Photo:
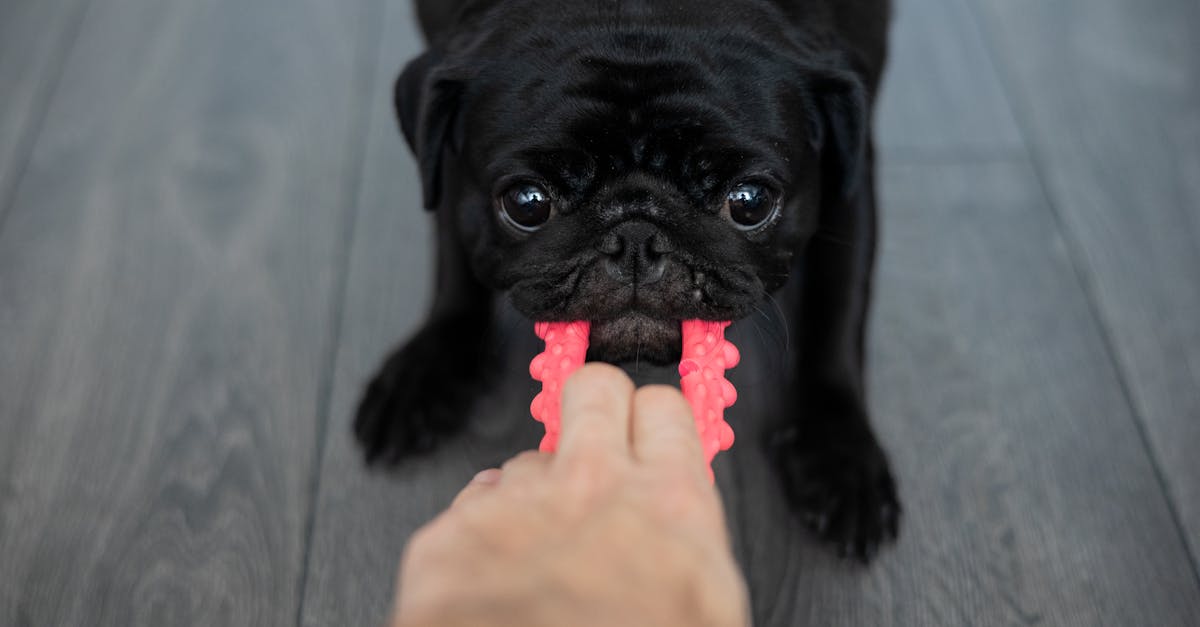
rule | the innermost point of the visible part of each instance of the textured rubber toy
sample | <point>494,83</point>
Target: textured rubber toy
<point>566,348</point>
<point>706,357</point>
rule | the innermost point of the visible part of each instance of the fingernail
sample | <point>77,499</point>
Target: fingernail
<point>491,475</point>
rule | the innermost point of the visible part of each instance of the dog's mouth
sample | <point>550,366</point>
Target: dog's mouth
<point>635,337</point>
<point>644,326</point>
<point>632,323</point>
<point>705,355</point>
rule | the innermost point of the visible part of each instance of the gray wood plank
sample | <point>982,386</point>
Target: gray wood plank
<point>363,519</point>
<point>1107,92</point>
<point>35,36</point>
<point>169,274</point>
<point>941,94</point>
<point>1029,498</point>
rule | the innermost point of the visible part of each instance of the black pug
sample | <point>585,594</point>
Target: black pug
<point>637,163</point>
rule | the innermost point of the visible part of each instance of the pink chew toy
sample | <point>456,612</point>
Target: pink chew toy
<point>706,357</point>
<point>566,349</point>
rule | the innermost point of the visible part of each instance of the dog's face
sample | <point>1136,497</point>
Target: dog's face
<point>633,176</point>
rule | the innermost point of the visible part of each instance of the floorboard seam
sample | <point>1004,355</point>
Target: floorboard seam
<point>368,61</point>
<point>1077,261</point>
<point>47,88</point>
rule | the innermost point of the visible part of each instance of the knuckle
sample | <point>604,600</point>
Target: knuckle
<point>427,541</point>
<point>590,471</point>
<point>679,494</point>
<point>679,438</point>
<point>677,503</point>
<point>522,460</point>
<point>591,457</point>
<point>590,429</point>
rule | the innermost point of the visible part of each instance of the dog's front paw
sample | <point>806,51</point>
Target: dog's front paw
<point>841,488</point>
<point>420,395</point>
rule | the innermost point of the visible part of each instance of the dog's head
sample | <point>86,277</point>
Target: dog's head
<point>632,172</point>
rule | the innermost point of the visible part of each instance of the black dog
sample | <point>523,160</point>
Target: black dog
<point>637,163</point>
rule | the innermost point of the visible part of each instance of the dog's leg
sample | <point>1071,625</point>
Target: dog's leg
<point>424,389</point>
<point>833,469</point>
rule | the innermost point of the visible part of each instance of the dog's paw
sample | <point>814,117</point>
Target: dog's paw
<point>842,490</point>
<point>420,396</point>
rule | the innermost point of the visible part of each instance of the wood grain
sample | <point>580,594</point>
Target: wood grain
<point>169,270</point>
<point>941,95</point>
<point>363,519</point>
<point>35,36</point>
<point>1107,92</point>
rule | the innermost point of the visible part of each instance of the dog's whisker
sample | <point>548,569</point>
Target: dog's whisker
<point>783,322</point>
<point>757,326</point>
<point>824,234</point>
<point>766,330</point>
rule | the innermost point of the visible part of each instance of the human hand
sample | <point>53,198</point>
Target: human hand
<point>621,526</point>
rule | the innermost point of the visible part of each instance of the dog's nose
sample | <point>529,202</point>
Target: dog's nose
<point>636,253</point>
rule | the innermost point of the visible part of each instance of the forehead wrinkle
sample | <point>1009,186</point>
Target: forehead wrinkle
<point>607,141</point>
<point>618,105</point>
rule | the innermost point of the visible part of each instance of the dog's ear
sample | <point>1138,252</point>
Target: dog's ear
<point>838,120</point>
<point>427,105</point>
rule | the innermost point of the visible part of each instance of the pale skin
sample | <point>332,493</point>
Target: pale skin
<point>621,526</point>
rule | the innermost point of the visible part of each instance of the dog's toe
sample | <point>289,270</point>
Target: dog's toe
<point>416,400</point>
<point>393,423</point>
<point>845,494</point>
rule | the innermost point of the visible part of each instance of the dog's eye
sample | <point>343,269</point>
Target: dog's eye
<point>750,205</point>
<point>526,206</point>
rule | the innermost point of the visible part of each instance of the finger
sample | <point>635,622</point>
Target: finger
<point>595,411</point>
<point>664,431</point>
<point>481,483</point>
<point>527,465</point>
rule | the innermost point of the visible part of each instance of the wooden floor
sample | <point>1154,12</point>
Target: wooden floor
<point>209,235</point>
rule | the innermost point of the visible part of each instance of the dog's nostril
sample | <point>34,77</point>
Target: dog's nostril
<point>611,244</point>
<point>660,245</point>
<point>634,238</point>
<point>636,252</point>
<point>615,270</point>
<point>653,271</point>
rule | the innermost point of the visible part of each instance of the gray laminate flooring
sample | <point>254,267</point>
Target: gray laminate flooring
<point>210,236</point>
